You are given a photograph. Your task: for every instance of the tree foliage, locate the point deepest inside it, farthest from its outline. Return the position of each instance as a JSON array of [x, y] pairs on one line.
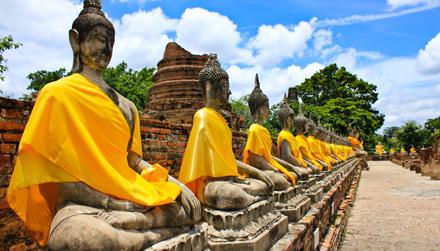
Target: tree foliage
[[339, 98], [412, 134], [130, 83], [6, 43]]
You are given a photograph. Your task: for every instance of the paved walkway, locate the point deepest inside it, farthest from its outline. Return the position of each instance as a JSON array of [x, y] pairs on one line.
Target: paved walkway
[[395, 209]]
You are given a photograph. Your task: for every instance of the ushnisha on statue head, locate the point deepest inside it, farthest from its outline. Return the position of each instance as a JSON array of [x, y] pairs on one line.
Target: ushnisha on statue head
[[92, 37], [214, 83], [285, 115], [258, 103]]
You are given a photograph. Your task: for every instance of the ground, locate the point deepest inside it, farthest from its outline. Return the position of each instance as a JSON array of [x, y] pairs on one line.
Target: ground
[[395, 209]]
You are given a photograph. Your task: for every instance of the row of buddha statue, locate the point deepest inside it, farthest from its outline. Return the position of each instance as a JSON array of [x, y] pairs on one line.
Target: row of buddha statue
[[80, 181]]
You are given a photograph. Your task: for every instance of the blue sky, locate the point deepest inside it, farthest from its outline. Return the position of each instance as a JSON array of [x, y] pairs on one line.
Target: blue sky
[[394, 44]]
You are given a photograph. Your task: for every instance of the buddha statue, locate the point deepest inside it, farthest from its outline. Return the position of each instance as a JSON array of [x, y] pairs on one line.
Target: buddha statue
[[83, 184], [257, 151], [287, 147], [300, 122], [412, 152], [379, 149], [321, 136], [234, 195], [315, 148], [402, 152], [209, 167]]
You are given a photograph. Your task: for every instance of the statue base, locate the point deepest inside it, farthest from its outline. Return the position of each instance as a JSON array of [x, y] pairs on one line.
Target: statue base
[[195, 239], [291, 203], [315, 192], [305, 184], [256, 227]]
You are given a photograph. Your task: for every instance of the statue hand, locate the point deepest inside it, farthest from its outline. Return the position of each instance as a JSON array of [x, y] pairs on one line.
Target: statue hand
[[266, 179], [191, 205]]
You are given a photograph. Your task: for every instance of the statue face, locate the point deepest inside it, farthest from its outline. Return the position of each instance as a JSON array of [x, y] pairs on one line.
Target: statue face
[[264, 112], [97, 47]]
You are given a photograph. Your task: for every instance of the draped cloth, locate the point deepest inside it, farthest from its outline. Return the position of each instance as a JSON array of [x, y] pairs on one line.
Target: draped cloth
[[290, 139], [208, 152], [316, 151], [259, 142], [76, 133], [305, 150]]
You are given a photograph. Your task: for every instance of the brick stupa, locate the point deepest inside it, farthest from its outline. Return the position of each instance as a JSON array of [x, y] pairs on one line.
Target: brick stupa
[[176, 95]]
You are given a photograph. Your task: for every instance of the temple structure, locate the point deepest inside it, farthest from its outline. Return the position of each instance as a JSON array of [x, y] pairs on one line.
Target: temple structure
[[176, 95]]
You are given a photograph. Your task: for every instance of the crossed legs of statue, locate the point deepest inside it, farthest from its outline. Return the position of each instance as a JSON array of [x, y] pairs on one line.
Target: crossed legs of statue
[[111, 224], [231, 193]]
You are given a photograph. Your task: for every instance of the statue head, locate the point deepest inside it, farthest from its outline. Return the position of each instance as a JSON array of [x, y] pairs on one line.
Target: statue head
[[311, 127], [258, 103], [214, 83], [300, 122], [285, 114], [92, 37]]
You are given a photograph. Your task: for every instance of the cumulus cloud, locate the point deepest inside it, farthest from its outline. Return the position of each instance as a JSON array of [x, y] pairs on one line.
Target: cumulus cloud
[[274, 43], [42, 28], [429, 57], [141, 37], [242, 79], [202, 31]]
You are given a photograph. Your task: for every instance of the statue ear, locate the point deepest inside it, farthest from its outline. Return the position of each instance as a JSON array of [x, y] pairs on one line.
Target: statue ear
[[74, 43], [74, 40]]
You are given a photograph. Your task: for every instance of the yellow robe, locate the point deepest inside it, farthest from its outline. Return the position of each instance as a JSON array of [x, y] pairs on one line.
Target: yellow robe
[[379, 149], [304, 147], [208, 152], [76, 133], [315, 149], [259, 142], [288, 136], [412, 150], [325, 150]]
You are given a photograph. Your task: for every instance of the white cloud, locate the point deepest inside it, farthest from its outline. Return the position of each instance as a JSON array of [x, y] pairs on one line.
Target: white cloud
[[322, 38], [201, 31], [42, 27], [349, 57], [274, 81], [141, 37], [429, 57], [354, 19], [394, 4], [274, 43]]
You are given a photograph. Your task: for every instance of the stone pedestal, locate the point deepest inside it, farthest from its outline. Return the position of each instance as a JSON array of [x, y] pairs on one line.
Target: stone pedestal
[[195, 239], [257, 227], [291, 203], [315, 192]]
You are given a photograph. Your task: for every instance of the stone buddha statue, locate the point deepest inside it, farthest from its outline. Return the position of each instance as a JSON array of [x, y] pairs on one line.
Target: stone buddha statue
[[257, 151], [300, 122], [83, 184], [315, 148], [288, 149], [235, 196], [322, 138], [379, 149], [209, 167], [412, 152]]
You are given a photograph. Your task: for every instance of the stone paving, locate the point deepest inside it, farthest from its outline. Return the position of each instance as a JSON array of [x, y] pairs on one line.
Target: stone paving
[[395, 209]]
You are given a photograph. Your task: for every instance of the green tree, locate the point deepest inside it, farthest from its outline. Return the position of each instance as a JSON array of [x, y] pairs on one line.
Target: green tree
[[412, 134], [340, 98], [132, 84], [433, 127], [240, 106], [6, 43]]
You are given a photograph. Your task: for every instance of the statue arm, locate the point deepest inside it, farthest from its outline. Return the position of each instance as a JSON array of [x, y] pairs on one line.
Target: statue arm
[[286, 154], [259, 162], [297, 170], [256, 173]]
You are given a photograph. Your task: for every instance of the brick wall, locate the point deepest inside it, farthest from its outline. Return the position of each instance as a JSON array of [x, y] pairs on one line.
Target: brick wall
[[13, 117]]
